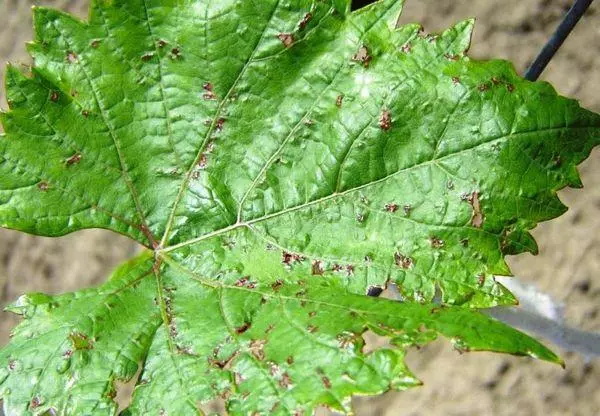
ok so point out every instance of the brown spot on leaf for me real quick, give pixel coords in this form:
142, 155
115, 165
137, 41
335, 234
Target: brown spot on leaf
510, 87
203, 161
80, 341
307, 18
317, 268
243, 328
54, 96
477, 217
407, 209
436, 242
220, 123
95, 43
85, 113
148, 56
74, 160
349, 270
481, 279
337, 267
257, 348
161, 43
326, 382
455, 80
277, 285
403, 261
406, 48
290, 360
339, 100
362, 56
175, 53
287, 39
35, 403
285, 381
291, 258
483, 87
391, 207
209, 93
385, 120
312, 329
43, 186
465, 242
451, 57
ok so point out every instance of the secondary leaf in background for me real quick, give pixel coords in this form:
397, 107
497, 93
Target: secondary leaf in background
272, 155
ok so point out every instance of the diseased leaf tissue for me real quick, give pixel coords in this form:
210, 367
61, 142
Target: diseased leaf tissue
278, 160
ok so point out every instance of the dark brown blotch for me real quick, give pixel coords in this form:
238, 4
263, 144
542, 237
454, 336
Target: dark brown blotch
287, 39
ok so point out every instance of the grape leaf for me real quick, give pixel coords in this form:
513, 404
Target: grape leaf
278, 160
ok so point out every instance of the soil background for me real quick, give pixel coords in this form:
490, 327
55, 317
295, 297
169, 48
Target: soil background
567, 268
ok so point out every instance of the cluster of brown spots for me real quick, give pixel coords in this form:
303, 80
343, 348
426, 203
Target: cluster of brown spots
285, 381
220, 123
339, 100
477, 217
73, 160
257, 348
170, 318
326, 382
287, 39
391, 207
277, 285
161, 43
307, 18
43, 186
406, 48
362, 56
337, 267
209, 93
95, 43
483, 87
240, 330
245, 282
403, 261
481, 279
148, 56
436, 242
317, 268
348, 268
290, 258
54, 96
385, 120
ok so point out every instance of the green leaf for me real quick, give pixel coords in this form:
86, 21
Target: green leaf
278, 160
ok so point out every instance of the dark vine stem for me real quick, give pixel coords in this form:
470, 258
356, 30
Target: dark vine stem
557, 39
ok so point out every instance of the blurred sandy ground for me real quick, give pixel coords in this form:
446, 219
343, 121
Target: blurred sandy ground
568, 266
